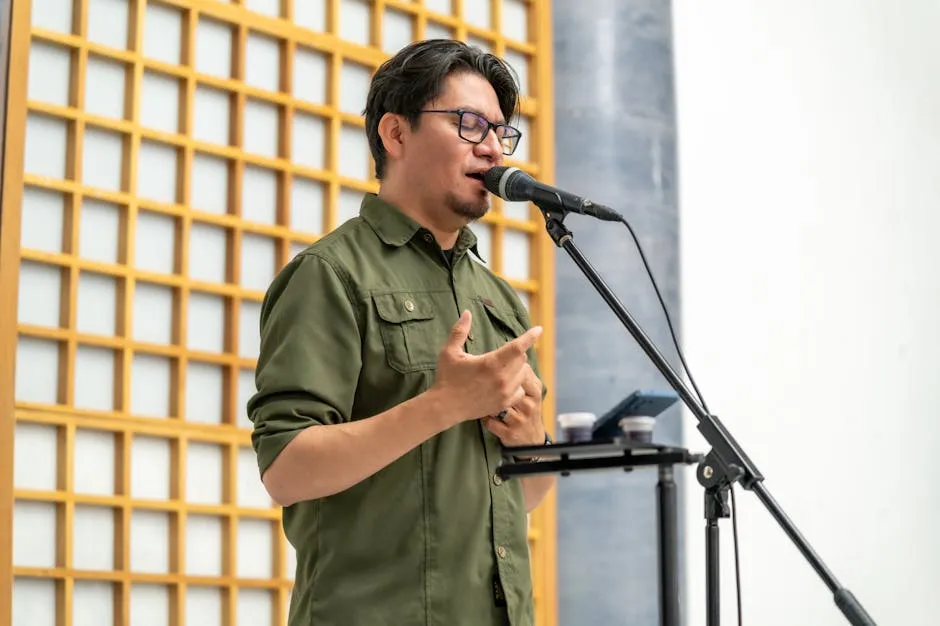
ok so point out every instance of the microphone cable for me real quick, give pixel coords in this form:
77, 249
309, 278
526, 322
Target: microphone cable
675, 341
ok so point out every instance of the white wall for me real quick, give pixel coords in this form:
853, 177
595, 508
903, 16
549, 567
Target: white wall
809, 165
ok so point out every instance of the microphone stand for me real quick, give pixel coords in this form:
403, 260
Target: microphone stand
724, 465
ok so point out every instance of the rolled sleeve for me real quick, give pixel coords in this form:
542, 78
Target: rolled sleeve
309, 358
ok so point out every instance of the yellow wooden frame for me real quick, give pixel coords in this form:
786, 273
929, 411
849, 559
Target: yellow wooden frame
537, 107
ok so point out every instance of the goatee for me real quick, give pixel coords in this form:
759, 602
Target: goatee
470, 210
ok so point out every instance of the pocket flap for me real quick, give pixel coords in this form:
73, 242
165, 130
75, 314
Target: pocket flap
504, 316
402, 307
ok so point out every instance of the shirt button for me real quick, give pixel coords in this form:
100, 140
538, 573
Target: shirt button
497, 480
501, 551
409, 305
428, 237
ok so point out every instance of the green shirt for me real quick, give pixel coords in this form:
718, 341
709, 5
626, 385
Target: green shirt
350, 328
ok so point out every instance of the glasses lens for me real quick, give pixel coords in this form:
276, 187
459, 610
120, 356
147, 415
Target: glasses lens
509, 138
472, 126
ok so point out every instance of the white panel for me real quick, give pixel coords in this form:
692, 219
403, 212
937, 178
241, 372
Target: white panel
204, 473
93, 603
97, 304
150, 605
37, 364
206, 322
43, 220
45, 146
354, 155
257, 261
271, 8
525, 299
98, 232
207, 252
31, 442
440, 6
102, 158
308, 140
153, 313
52, 14
105, 82
93, 469
213, 48
436, 30
516, 210
251, 491
260, 129
34, 534
150, 385
156, 172
350, 202
203, 545
108, 22
160, 102
354, 21
520, 63
204, 392
484, 233
515, 20
49, 73
246, 389
150, 468
255, 548
311, 14
353, 87
248, 333
259, 195
478, 14
482, 44
93, 538
262, 62
209, 184
306, 205
155, 243
150, 542
211, 115
291, 564
397, 31
516, 254
34, 601
296, 247
203, 606
255, 607
94, 378
522, 148
39, 301
310, 76
163, 28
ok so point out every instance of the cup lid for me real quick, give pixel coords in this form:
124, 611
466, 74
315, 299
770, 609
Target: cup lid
637, 422
567, 420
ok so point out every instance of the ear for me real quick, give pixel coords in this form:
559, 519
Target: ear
392, 130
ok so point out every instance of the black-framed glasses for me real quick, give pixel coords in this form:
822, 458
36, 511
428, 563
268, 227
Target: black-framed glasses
473, 127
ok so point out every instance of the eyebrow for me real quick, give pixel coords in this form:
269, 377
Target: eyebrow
482, 114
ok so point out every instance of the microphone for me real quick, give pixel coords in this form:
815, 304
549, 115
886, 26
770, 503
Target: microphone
514, 185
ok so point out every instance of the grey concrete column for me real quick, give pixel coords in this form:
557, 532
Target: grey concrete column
615, 143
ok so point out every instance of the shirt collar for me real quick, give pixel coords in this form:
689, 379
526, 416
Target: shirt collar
396, 229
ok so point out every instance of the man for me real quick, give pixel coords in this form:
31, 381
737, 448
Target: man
387, 356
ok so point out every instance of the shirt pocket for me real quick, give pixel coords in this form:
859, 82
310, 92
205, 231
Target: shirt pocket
409, 329
503, 322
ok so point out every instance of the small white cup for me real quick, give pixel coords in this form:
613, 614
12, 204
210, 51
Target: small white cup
577, 426
638, 428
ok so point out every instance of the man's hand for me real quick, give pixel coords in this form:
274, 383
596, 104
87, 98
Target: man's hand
474, 386
522, 424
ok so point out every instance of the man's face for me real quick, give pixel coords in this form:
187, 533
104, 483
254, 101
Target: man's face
442, 162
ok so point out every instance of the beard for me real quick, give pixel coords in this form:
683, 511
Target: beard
471, 210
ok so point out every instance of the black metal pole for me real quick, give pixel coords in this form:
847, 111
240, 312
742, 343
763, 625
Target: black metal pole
668, 548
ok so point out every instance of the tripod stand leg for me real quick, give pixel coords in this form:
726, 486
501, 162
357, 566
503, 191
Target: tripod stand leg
668, 552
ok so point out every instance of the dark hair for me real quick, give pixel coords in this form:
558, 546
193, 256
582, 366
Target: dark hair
405, 83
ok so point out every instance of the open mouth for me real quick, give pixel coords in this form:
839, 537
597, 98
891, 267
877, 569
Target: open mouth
476, 175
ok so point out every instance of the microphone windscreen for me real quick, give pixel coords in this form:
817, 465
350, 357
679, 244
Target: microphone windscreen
492, 179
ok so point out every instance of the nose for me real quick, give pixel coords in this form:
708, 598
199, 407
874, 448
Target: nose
490, 148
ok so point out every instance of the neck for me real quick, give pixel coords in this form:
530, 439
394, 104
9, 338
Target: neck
444, 226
